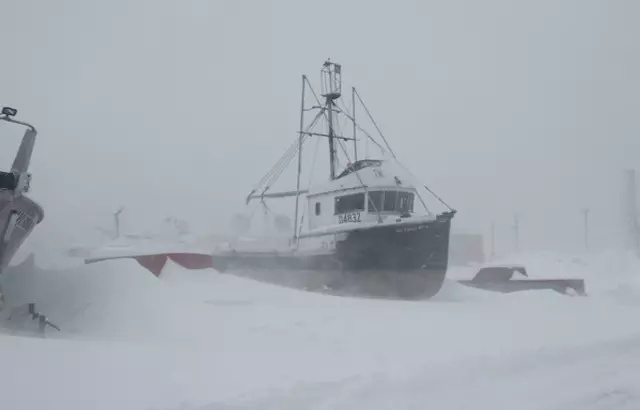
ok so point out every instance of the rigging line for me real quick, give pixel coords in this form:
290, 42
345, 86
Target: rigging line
266, 208
318, 100
271, 171
390, 150
313, 124
290, 152
313, 165
253, 212
369, 137
427, 188
313, 92
342, 126
305, 137
374, 123
355, 171
344, 110
422, 201
439, 199
339, 128
277, 170
347, 112
286, 159
340, 142
338, 134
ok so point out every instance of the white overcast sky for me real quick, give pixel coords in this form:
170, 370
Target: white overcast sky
179, 107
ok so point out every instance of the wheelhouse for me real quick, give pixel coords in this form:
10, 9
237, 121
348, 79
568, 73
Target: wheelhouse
379, 200
391, 200
354, 206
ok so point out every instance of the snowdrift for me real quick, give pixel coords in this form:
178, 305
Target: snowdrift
204, 340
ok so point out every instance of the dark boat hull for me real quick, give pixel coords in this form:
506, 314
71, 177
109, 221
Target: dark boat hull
407, 261
27, 215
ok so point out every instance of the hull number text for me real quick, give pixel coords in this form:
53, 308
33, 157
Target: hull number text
350, 217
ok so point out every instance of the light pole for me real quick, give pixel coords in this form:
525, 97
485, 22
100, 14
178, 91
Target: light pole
116, 220
516, 232
493, 241
585, 214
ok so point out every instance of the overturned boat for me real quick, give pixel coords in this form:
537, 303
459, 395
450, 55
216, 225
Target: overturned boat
18, 213
153, 252
367, 229
501, 279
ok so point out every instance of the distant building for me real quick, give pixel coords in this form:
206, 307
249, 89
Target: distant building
465, 249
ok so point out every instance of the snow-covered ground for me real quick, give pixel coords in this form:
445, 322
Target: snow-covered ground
199, 340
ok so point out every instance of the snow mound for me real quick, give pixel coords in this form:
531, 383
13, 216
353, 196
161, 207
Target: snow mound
115, 299
204, 340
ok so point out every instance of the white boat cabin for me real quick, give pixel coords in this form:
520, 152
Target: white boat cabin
362, 193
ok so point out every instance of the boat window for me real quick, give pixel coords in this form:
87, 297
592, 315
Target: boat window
317, 208
405, 202
8, 180
390, 198
391, 201
375, 201
349, 203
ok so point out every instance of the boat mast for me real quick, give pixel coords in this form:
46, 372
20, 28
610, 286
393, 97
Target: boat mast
300, 137
353, 115
331, 90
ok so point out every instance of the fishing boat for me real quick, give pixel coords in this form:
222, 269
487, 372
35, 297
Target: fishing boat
18, 213
366, 228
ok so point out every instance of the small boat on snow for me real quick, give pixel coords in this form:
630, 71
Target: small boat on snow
366, 229
152, 252
501, 279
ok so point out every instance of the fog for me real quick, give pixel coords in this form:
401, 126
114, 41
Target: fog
178, 108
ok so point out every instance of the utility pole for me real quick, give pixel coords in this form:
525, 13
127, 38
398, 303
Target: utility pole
493, 241
630, 218
116, 222
585, 213
516, 232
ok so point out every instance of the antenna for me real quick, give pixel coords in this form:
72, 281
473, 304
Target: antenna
331, 77
331, 80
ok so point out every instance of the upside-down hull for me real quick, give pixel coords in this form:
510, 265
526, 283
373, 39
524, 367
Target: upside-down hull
500, 279
155, 262
407, 260
18, 217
